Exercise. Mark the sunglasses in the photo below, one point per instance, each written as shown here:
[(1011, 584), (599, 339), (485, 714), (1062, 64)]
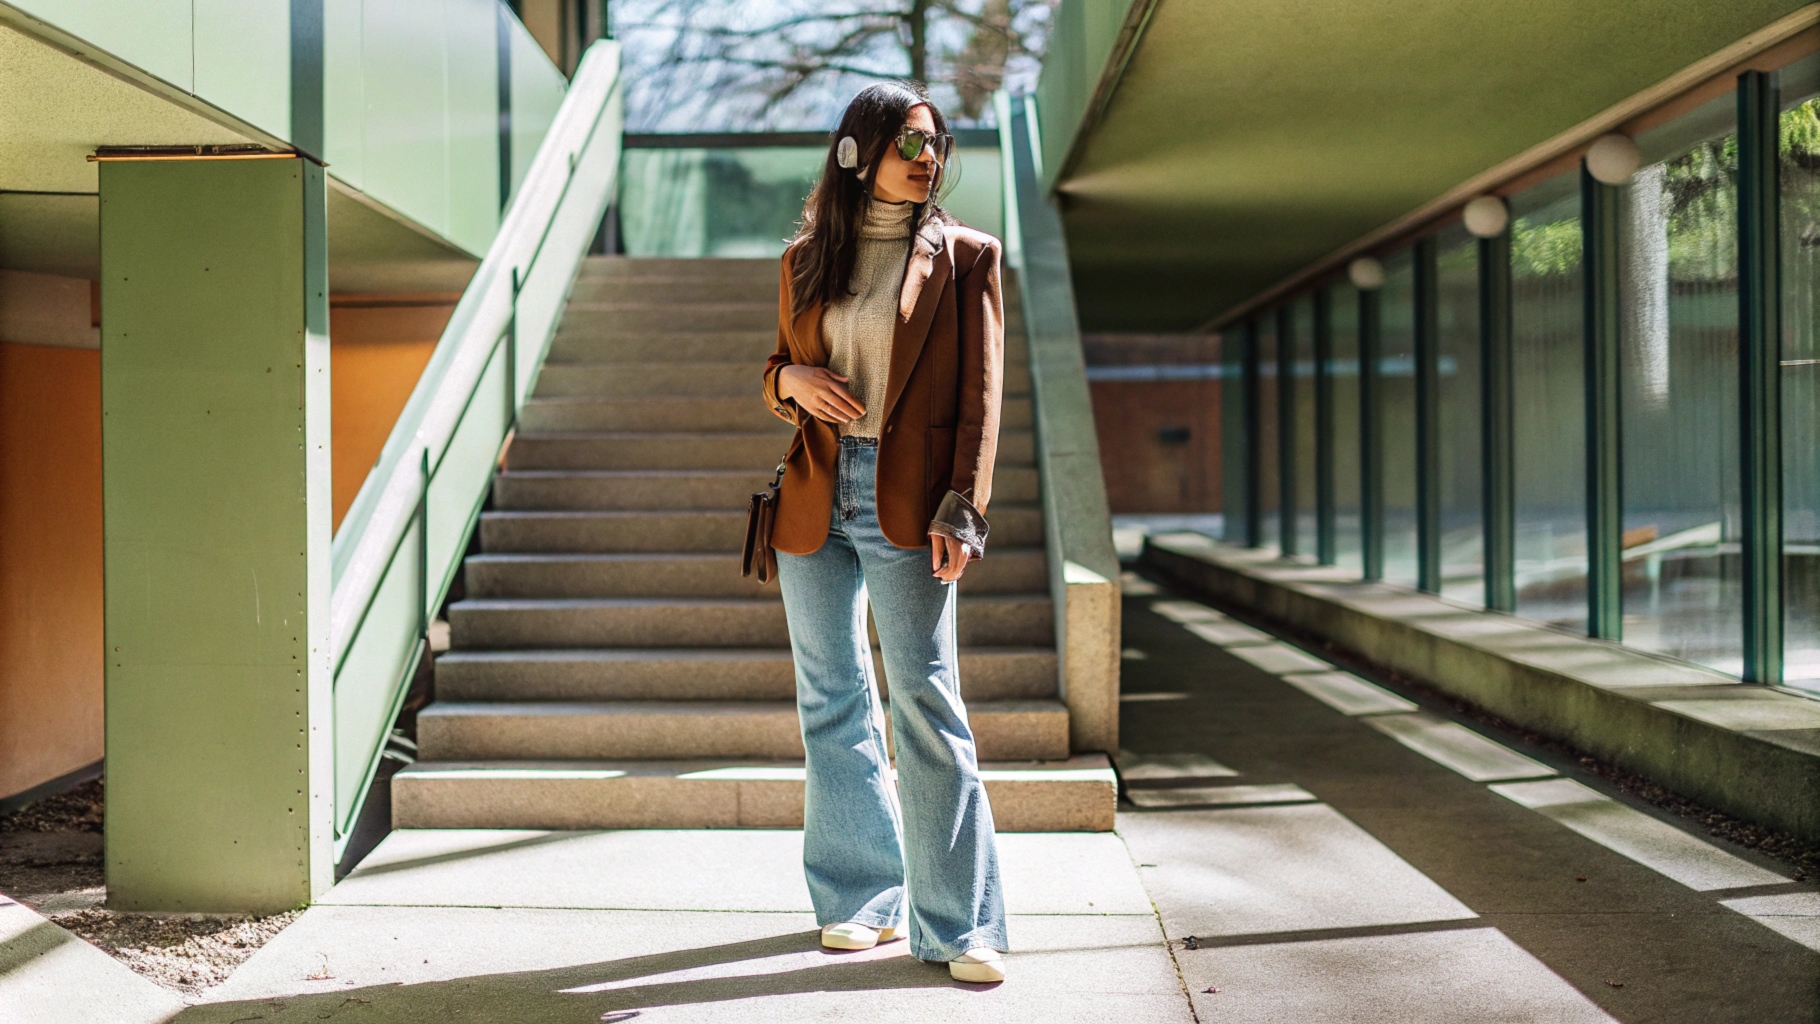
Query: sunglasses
[(912, 141)]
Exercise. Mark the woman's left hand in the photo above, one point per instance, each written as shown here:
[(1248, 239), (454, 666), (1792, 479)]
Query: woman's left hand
[(947, 557)]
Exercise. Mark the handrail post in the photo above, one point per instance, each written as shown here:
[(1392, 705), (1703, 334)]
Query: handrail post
[(423, 543), (512, 354)]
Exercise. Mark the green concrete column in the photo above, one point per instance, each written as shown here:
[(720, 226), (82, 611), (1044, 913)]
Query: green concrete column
[(1760, 371), (215, 445), (1326, 540), (1428, 415), (1604, 427)]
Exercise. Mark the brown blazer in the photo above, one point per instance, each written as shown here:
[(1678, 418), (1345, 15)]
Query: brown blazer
[(942, 397)]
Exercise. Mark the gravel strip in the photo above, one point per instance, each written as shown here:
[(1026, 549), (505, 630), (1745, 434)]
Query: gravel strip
[(51, 861)]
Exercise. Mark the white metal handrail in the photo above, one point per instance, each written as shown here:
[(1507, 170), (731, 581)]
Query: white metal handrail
[(403, 539)]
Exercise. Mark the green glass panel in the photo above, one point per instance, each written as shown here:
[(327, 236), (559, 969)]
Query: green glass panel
[(1548, 382), (1397, 384), (1682, 583), (1346, 454), (1457, 366)]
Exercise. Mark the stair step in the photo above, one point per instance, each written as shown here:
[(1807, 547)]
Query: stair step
[(642, 730), (737, 379), (987, 673), (694, 574), (648, 450), (1076, 795), (691, 450), (581, 316), (706, 270), (620, 346), (673, 530), (747, 414), (687, 489), (497, 624), (605, 490), (609, 532), (660, 289)]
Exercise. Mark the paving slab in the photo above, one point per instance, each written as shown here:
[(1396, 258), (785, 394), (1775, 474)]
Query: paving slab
[(1687, 859), (1452, 745), (1134, 767), (1279, 658), (1438, 977), (1186, 611), (1264, 870), (1228, 634), (413, 964), (1347, 693), (1221, 796), (746, 870), (48, 974), (1793, 915)]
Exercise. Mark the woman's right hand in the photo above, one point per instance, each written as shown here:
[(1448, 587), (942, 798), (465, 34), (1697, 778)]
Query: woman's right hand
[(820, 392)]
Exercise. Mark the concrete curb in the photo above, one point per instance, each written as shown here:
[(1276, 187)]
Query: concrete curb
[(1750, 751)]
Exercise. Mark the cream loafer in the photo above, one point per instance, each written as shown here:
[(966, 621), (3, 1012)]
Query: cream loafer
[(853, 935), (981, 965)]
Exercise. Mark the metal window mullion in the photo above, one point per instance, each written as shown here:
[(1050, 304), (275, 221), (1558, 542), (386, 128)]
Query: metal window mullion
[(1254, 467), (1326, 546), (1497, 452), (1759, 378), (1604, 467), (1371, 440), (1428, 418), (1286, 434)]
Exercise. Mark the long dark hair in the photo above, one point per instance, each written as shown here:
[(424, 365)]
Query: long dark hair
[(828, 238)]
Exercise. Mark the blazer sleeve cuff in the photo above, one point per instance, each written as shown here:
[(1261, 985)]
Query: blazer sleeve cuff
[(783, 408), (958, 518)]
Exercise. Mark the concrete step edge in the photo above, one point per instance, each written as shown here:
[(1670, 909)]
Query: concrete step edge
[(1079, 794)]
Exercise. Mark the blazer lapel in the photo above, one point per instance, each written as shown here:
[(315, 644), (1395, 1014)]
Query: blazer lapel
[(915, 309)]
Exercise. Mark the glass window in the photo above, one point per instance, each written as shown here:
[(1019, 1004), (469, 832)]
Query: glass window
[(1462, 527), (1678, 249), (1548, 390), (1303, 462), (1267, 429), (714, 202), (1344, 372), (1397, 423), (1801, 373)]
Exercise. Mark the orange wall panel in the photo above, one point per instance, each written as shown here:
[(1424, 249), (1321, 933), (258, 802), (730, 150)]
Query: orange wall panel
[(51, 641), (377, 353)]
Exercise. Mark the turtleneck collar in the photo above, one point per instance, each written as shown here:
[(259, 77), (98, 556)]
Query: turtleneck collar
[(887, 220)]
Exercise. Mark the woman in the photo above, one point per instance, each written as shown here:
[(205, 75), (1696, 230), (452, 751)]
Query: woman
[(889, 357)]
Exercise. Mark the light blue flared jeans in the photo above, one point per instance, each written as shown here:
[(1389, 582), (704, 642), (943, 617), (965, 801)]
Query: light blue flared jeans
[(859, 852)]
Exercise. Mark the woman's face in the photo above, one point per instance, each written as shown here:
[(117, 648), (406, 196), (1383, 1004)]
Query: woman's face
[(908, 181)]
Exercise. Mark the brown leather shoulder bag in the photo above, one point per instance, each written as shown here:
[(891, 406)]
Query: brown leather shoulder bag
[(759, 559)]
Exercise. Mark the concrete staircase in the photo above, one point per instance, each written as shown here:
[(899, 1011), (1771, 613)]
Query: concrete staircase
[(608, 666)]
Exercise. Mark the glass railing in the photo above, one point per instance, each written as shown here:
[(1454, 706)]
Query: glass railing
[(402, 541), (740, 195)]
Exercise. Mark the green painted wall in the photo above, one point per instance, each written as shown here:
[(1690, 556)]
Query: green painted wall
[(153, 35), (215, 395), (537, 90), (411, 88), (243, 59), (1079, 47)]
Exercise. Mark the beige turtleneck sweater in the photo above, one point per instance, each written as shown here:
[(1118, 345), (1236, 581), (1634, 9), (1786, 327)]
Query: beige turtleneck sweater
[(858, 325)]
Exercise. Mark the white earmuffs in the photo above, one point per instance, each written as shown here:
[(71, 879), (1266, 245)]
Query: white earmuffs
[(846, 153)]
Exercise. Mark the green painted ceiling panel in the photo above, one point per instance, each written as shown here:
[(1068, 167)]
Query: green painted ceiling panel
[(1247, 140)]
